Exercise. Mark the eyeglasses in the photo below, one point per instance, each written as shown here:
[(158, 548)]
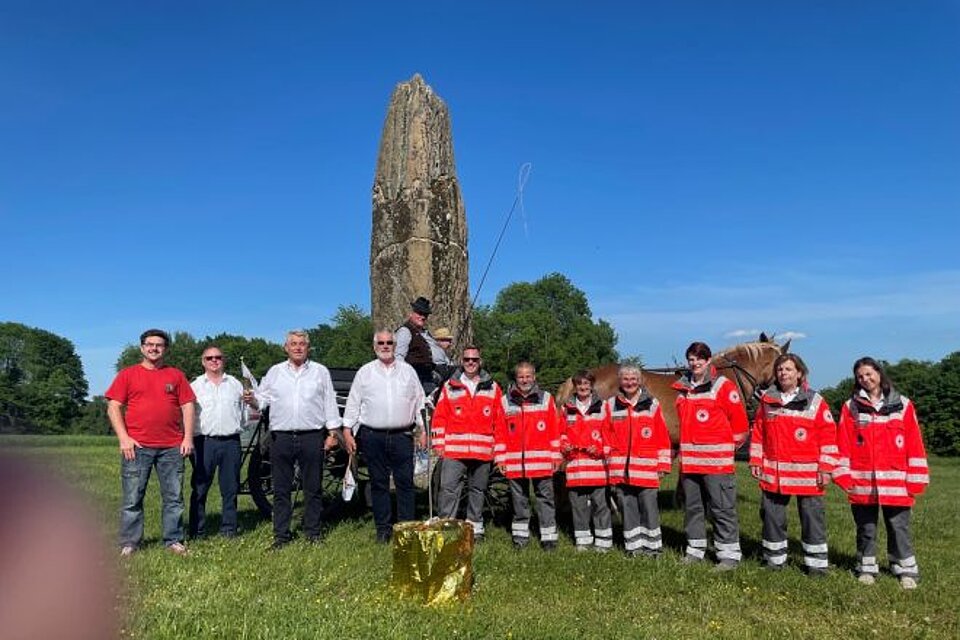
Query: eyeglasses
[(471, 359), (380, 343), (444, 339), (209, 358)]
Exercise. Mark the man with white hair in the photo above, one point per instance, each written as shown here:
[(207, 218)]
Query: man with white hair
[(303, 406), (384, 411)]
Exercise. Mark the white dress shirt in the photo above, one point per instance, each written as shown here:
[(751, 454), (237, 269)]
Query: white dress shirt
[(300, 398), (384, 397), (219, 406)]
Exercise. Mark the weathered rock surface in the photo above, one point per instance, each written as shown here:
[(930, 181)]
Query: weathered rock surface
[(418, 244)]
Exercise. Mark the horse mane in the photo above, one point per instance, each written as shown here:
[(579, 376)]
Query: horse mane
[(752, 350)]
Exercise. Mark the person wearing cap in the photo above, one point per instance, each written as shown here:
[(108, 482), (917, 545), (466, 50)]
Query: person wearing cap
[(413, 340)]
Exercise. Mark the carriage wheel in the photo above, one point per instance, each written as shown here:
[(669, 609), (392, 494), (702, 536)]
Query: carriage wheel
[(334, 467)]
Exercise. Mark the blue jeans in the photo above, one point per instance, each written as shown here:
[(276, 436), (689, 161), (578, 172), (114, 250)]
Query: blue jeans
[(134, 476)]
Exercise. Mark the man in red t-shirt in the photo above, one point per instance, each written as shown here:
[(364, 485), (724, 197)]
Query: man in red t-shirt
[(155, 431)]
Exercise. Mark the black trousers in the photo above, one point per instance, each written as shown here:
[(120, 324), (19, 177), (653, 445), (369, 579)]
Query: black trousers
[(306, 449), (389, 454), (220, 455)]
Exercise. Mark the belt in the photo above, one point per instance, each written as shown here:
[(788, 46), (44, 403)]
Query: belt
[(235, 436), (297, 432), (406, 429)]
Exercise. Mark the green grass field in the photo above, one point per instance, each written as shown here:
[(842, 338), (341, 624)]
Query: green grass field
[(234, 589)]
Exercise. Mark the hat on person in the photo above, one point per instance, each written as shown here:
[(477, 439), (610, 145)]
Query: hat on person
[(421, 305), (442, 334)]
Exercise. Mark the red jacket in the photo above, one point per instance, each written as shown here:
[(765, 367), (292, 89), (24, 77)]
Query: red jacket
[(713, 422), (581, 441), (793, 442), (637, 441), (463, 424), (882, 459), (527, 442)]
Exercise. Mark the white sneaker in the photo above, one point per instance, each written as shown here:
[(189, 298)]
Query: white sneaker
[(908, 582), (866, 578)]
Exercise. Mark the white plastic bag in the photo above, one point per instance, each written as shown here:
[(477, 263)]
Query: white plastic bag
[(421, 463), (349, 483)]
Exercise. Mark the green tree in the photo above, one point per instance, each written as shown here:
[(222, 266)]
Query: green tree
[(547, 322), (42, 386), (185, 351), (93, 418), (345, 343)]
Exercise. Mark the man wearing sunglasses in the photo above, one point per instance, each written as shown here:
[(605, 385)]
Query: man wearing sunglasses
[(469, 408), (383, 411), (216, 444)]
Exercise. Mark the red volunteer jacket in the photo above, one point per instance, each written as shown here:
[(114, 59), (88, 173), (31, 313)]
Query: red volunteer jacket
[(793, 442), (581, 441), (713, 422), (463, 424), (527, 442), (882, 458), (637, 441)]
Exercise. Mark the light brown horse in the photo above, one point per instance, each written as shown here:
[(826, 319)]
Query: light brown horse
[(750, 365)]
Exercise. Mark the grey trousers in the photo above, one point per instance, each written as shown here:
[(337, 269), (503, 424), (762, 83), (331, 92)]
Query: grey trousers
[(813, 529), (546, 511), (903, 562), (720, 492), (453, 472), (587, 503), (641, 519)]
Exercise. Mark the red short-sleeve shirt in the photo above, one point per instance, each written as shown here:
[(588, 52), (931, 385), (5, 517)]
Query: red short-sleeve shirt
[(153, 398)]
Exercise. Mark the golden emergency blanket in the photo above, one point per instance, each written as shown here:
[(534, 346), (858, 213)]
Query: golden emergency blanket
[(433, 560)]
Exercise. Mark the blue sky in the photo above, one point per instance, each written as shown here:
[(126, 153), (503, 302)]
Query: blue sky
[(701, 170)]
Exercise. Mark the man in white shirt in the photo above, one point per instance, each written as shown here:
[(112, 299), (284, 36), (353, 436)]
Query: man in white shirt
[(216, 443), (383, 410), (303, 404)]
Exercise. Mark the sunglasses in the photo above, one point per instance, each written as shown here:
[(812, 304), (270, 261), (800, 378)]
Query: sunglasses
[(383, 342), (209, 358), (471, 359)]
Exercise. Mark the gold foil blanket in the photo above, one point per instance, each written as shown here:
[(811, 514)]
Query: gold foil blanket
[(433, 560)]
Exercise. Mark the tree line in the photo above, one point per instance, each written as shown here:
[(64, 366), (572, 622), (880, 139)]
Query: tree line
[(548, 322)]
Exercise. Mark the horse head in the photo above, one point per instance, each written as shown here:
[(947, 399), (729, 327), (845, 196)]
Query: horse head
[(750, 364)]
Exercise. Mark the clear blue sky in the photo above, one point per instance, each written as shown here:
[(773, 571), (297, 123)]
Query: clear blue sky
[(700, 169)]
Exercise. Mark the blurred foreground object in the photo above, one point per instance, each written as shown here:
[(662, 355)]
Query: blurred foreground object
[(55, 577), (433, 560)]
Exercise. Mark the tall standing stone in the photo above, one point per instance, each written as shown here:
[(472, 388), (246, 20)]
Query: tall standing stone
[(418, 246)]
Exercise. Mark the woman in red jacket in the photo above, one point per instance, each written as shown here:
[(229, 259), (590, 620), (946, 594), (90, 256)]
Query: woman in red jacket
[(793, 451), (713, 423), (638, 456), (883, 466), (581, 442)]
